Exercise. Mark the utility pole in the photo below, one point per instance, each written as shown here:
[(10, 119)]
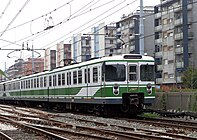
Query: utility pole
[(32, 59), (141, 29)]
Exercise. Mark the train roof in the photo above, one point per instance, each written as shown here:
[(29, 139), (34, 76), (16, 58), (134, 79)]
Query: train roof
[(123, 57)]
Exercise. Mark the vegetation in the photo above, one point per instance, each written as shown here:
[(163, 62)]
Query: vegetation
[(150, 115), (2, 73), (189, 78)]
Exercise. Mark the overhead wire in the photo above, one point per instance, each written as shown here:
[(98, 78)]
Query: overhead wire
[(46, 31), (14, 18), (40, 16), (6, 7), (154, 34)]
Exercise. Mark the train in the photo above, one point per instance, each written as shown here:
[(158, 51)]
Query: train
[(121, 83)]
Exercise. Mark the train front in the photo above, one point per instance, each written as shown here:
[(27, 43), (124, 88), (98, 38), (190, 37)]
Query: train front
[(132, 80)]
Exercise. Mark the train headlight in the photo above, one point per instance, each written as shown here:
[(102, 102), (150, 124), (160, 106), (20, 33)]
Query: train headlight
[(116, 89), (149, 88)]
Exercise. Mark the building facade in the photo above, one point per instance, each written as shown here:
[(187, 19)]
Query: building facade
[(128, 36), (103, 41), (38, 66), (63, 54), (15, 70), (174, 39), (50, 59), (80, 48)]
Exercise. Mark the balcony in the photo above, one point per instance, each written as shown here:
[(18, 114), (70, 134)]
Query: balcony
[(158, 54), (178, 36), (190, 35), (158, 15), (132, 37), (159, 81), (157, 41), (158, 28), (189, 7), (178, 79), (179, 65), (177, 8), (132, 48), (159, 67), (179, 50), (131, 25), (178, 22)]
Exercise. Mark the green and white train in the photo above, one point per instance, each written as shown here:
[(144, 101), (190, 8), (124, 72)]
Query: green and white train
[(122, 83)]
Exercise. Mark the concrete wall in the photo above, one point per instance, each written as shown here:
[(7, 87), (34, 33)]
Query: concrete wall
[(176, 101)]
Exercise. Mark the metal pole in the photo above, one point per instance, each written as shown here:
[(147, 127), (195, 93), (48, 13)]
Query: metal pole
[(32, 59), (141, 29)]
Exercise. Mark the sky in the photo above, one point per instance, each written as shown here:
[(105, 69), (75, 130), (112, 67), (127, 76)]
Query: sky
[(26, 21)]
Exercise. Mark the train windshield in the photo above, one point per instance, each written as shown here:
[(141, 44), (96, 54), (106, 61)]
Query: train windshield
[(115, 72), (147, 72)]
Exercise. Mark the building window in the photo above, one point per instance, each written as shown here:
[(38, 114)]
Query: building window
[(171, 76), (165, 62), (166, 75)]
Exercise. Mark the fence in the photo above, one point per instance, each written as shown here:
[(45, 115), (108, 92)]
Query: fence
[(181, 101)]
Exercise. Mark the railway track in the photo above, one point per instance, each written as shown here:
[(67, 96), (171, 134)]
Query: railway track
[(72, 127)]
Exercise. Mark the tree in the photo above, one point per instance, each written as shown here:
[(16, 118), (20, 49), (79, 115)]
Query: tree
[(189, 78)]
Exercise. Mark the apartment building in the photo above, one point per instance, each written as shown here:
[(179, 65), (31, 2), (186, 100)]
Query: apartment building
[(50, 59), (38, 66), (103, 40), (128, 36), (175, 37), (80, 48), (63, 54)]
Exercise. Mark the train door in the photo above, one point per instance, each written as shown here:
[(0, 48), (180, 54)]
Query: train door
[(132, 76), (87, 79)]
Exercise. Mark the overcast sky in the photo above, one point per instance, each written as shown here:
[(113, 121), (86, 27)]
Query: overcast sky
[(25, 21)]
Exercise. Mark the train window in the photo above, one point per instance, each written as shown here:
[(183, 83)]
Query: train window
[(23, 84), (35, 83), (95, 74), (32, 83), (87, 75), (74, 77), (80, 76), (147, 72), (132, 73), (115, 72), (69, 78), (50, 81), (54, 80), (26, 84), (59, 80), (38, 82), (45, 81), (63, 78), (41, 81)]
